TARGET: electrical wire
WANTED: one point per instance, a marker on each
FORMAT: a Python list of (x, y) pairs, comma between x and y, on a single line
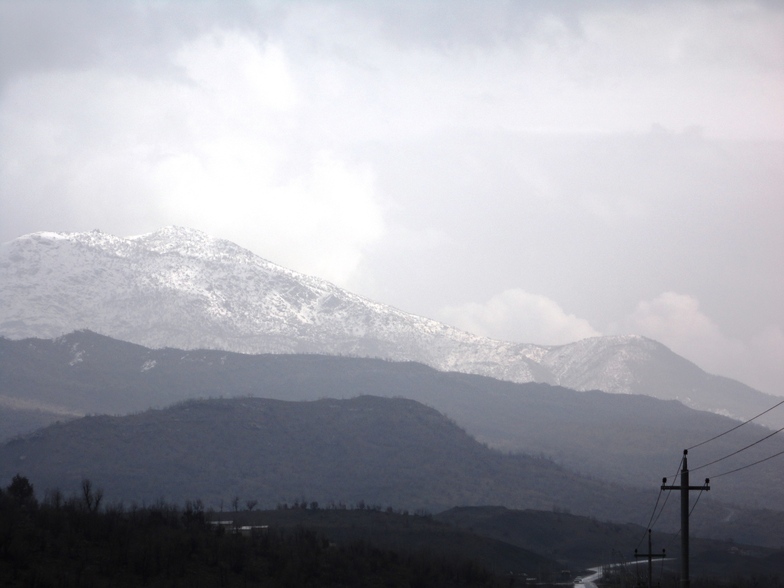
[(738, 451), (652, 520), (696, 501), (648, 527), (749, 465), (737, 426), (666, 498), (692, 508)]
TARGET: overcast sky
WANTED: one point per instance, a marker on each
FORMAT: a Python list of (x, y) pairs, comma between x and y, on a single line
[(531, 171)]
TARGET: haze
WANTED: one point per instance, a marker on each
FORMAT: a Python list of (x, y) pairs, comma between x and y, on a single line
[(531, 171)]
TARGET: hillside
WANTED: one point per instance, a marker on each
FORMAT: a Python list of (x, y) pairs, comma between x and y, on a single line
[(380, 451), (183, 289), (628, 439), (64, 543), (401, 532), (581, 542)]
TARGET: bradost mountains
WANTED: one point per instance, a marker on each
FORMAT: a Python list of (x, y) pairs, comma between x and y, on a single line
[(92, 323), (181, 288)]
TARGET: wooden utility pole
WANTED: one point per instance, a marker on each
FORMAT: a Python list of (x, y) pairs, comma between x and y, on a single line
[(684, 488), (650, 555)]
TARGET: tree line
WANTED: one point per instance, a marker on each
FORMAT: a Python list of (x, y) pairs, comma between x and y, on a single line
[(80, 540)]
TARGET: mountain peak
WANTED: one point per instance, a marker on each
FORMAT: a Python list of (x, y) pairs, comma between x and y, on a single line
[(184, 241), (182, 288)]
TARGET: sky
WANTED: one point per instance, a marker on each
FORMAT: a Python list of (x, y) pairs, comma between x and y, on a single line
[(534, 171)]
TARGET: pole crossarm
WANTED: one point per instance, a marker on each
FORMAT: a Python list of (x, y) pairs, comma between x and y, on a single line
[(651, 556), (704, 487)]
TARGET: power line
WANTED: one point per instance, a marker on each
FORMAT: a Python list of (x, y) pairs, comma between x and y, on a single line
[(666, 498), (661, 510), (739, 450), (693, 506), (652, 520), (737, 426), (648, 527), (749, 465)]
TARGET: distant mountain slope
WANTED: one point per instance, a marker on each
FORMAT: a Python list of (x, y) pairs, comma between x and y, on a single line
[(380, 451), (181, 288), (629, 439), (377, 450)]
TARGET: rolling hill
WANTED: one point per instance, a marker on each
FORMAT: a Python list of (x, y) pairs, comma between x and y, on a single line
[(372, 450), (632, 440)]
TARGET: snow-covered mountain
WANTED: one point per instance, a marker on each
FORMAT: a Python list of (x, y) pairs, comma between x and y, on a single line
[(181, 288)]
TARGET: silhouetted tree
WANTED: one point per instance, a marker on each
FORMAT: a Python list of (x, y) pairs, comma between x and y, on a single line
[(91, 498), (21, 490)]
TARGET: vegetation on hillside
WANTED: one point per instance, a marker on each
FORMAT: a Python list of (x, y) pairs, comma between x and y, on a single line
[(82, 540), (77, 542)]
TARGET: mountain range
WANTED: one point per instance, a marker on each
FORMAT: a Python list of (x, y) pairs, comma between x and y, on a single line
[(385, 452), (317, 392), (630, 439), (184, 289)]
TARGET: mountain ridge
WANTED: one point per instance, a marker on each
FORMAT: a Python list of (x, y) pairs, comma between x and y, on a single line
[(367, 449), (629, 439), (182, 288)]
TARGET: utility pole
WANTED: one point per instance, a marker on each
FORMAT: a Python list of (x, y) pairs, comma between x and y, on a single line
[(684, 488), (650, 555)]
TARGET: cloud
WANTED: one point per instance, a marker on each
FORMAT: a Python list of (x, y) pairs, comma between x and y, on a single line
[(433, 152), (517, 315), (211, 148), (317, 222), (238, 72), (678, 321)]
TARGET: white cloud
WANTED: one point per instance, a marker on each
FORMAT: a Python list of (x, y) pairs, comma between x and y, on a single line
[(677, 321), (211, 149), (517, 315), (239, 73), (317, 222), (393, 145)]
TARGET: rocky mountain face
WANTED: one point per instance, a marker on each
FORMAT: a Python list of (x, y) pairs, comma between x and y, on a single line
[(181, 288)]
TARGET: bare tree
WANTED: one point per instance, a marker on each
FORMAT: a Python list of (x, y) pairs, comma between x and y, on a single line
[(92, 498), (251, 504)]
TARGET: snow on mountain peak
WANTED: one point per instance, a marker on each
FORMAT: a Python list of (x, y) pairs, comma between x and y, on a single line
[(188, 242), (179, 287)]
